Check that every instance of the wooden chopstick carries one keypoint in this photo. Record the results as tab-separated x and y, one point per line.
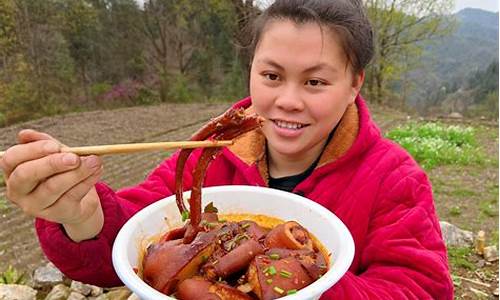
139	147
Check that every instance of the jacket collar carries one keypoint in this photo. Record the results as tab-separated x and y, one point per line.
251	147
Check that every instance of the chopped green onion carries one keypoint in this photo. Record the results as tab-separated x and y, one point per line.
272	270
291	292
285	274
239	237
274	256
278	290
246	225
211	225
185	215
269	281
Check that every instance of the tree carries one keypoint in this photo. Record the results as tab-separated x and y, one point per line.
119	43
35	75
8	40
156	28
245	11
80	26
183	32
401	30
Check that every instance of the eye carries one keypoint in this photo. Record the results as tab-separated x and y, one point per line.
271	76
315	82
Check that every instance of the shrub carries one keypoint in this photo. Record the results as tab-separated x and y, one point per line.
181	91
99	89
125	93
433	144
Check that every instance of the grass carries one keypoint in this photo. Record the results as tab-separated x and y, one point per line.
433	144
488	208
438	185
3	203
459	257
455	210
462	193
493	190
12	276
494	238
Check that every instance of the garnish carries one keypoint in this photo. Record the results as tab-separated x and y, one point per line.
185	215
209	225
279	290
274	256
210	208
240	237
285	274
272	270
291	292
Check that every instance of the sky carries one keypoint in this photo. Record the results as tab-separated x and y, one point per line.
491	5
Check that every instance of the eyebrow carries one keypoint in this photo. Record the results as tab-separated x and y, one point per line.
308	70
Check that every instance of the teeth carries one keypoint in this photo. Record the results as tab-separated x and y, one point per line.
288	125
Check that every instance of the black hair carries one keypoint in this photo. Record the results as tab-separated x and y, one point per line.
347	18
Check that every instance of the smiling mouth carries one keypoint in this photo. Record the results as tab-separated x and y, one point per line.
289	125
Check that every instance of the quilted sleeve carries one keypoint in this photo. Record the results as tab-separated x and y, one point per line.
404	256
90	261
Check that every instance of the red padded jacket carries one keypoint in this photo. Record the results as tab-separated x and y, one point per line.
370	183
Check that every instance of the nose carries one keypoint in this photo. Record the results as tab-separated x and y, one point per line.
290	99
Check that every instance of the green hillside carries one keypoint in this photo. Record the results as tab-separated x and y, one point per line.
450	63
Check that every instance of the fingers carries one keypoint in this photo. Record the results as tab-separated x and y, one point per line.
26	176
49	184
77	204
21	153
53	188
29	135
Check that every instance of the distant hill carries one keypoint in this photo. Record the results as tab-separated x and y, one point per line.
449	62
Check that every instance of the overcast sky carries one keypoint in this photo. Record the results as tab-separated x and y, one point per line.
491	5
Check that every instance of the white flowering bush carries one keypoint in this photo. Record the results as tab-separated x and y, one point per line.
433	144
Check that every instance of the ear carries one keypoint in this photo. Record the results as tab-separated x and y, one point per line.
357	82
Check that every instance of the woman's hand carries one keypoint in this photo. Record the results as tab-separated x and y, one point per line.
54	186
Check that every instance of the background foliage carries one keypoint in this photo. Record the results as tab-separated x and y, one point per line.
70	55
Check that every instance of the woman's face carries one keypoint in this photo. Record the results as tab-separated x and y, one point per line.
300	82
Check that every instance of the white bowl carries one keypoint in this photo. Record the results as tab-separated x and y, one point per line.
150	221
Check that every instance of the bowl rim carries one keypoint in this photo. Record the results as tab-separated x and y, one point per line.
144	291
